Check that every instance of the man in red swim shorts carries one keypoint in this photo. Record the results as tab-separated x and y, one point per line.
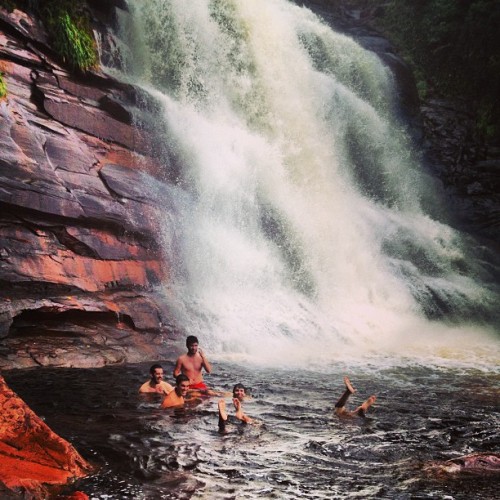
192	364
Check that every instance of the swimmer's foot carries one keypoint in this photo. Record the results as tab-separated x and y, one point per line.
239	412
237	407
222	409
349	386
364	407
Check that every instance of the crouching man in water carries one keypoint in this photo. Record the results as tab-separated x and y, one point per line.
360	411
156	382
177	396
239	395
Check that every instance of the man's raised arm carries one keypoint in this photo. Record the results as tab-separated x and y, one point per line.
205	363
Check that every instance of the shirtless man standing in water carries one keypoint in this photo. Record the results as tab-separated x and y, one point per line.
360	411
191	365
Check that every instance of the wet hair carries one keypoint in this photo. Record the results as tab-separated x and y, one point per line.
239	386
155	367
181	378
191	340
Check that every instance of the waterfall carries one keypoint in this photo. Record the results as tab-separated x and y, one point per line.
296	224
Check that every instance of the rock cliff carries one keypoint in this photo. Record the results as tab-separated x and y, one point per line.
80	259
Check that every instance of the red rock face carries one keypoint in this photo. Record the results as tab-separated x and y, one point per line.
79	220
31	455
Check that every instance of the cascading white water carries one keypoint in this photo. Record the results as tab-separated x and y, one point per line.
299	230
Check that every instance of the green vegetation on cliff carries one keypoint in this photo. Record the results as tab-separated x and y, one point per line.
70	30
68	25
3	87
452	45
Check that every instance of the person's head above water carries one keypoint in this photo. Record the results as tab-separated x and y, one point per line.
181	384
191	340
181	378
156	372
192	345
239	391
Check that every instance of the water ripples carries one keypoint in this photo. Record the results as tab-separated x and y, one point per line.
299	449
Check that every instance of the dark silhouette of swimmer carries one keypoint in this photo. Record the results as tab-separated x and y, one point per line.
239	395
360	411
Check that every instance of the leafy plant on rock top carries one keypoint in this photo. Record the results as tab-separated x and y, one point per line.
70	30
3	87
68	25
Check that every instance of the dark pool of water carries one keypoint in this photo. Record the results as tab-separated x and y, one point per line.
300	451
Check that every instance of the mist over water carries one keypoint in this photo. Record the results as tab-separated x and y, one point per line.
300	228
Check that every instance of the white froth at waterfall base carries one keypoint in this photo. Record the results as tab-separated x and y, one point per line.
300	232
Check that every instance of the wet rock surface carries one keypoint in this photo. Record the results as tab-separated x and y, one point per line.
32	457
468	167
80	261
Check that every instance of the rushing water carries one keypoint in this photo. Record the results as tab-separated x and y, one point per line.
297	219
300	451
302	245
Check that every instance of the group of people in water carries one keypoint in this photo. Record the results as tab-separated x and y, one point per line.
189	386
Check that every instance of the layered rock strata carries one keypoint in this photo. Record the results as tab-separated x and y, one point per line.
80	258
